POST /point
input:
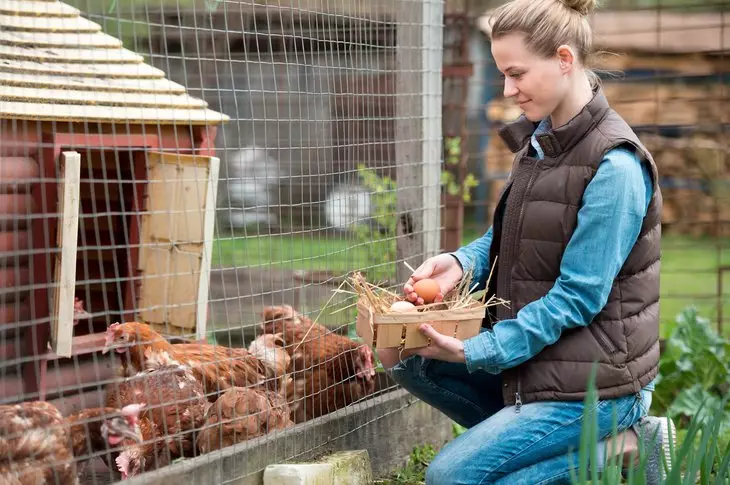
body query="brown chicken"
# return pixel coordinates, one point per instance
(241, 414)
(268, 348)
(218, 368)
(39, 446)
(329, 371)
(175, 407)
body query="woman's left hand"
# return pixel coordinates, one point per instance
(448, 349)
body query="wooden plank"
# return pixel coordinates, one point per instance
(62, 40)
(62, 326)
(149, 86)
(155, 266)
(176, 241)
(103, 114)
(94, 98)
(183, 298)
(84, 344)
(205, 264)
(688, 64)
(41, 8)
(71, 54)
(67, 379)
(102, 70)
(48, 24)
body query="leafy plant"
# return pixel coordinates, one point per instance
(452, 157)
(414, 473)
(694, 368)
(698, 458)
(378, 233)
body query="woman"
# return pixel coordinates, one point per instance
(575, 250)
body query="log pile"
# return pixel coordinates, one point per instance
(694, 168)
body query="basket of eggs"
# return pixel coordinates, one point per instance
(387, 320)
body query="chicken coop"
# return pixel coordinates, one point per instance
(108, 179)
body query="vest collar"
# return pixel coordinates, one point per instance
(557, 141)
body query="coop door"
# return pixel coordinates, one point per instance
(177, 242)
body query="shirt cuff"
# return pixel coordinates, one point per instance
(465, 260)
(479, 354)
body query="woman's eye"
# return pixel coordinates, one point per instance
(516, 75)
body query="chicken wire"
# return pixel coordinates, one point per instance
(200, 166)
(664, 68)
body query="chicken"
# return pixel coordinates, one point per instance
(101, 430)
(329, 371)
(268, 348)
(175, 408)
(79, 312)
(39, 446)
(241, 414)
(218, 368)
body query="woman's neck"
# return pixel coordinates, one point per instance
(580, 94)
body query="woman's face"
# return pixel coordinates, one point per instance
(538, 85)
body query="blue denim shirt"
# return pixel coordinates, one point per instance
(609, 221)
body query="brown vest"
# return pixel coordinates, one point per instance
(623, 338)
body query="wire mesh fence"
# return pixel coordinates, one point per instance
(184, 184)
(214, 169)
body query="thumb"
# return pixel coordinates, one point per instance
(424, 271)
(431, 333)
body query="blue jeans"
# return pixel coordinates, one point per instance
(538, 445)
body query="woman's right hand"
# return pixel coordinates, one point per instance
(444, 269)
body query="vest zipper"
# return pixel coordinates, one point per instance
(533, 171)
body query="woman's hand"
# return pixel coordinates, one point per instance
(444, 269)
(448, 349)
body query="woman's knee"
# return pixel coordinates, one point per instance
(441, 471)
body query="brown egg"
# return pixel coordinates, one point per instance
(427, 289)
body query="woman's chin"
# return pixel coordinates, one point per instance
(533, 115)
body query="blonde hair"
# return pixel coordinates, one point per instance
(548, 24)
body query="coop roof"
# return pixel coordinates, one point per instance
(57, 65)
(657, 31)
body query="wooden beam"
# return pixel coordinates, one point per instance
(418, 131)
(205, 263)
(62, 318)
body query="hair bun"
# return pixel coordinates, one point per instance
(583, 7)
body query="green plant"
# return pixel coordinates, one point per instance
(378, 235)
(452, 158)
(700, 455)
(414, 472)
(694, 368)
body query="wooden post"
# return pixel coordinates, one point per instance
(62, 316)
(418, 131)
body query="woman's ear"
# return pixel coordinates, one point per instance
(566, 57)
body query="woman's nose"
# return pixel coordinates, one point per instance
(510, 89)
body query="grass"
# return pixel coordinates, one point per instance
(689, 273)
(304, 251)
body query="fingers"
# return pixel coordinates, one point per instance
(430, 332)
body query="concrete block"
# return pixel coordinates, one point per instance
(343, 468)
(351, 467)
(299, 474)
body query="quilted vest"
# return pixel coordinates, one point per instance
(533, 222)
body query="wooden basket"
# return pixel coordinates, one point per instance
(382, 331)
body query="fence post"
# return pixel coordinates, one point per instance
(418, 131)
